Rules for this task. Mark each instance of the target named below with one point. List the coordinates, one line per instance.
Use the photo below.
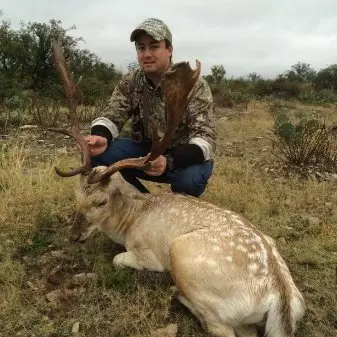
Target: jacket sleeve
(117, 111)
(201, 119)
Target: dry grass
(36, 257)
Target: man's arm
(117, 111)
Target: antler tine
(71, 92)
(178, 84)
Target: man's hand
(97, 145)
(157, 166)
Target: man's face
(153, 56)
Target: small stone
(56, 253)
(91, 276)
(76, 327)
(80, 279)
(170, 330)
(28, 127)
(319, 175)
(288, 202)
(289, 228)
(312, 220)
(31, 285)
(54, 295)
(83, 278)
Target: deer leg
(246, 331)
(220, 329)
(188, 304)
(133, 260)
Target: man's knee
(192, 180)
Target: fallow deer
(227, 272)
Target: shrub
(306, 142)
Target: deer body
(226, 271)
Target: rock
(289, 228)
(76, 327)
(28, 127)
(57, 253)
(314, 221)
(80, 279)
(54, 295)
(170, 330)
(288, 202)
(32, 286)
(83, 278)
(319, 175)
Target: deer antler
(177, 84)
(72, 95)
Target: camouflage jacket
(127, 101)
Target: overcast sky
(263, 36)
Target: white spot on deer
(212, 263)
(232, 244)
(253, 268)
(253, 256)
(229, 258)
(216, 248)
(214, 240)
(242, 248)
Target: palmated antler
(72, 94)
(177, 85)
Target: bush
(324, 96)
(306, 142)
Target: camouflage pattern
(155, 28)
(127, 102)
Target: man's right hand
(97, 145)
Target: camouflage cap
(155, 28)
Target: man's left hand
(157, 166)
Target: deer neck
(123, 212)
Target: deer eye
(100, 203)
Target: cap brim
(136, 32)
